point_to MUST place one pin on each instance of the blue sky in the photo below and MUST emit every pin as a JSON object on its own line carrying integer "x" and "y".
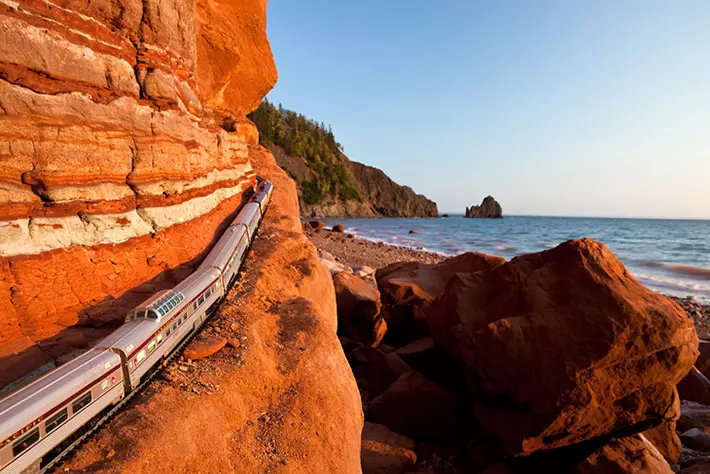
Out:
{"x": 585, "y": 108}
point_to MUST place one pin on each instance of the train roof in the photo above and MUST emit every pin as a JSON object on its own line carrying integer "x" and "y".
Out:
{"x": 196, "y": 283}
{"x": 129, "y": 337}
{"x": 265, "y": 186}
{"x": 247, "y": 213}
{"x": 54, "y": 390}
{"x": 222, "y": 252}
{"x": 157, "y": 306}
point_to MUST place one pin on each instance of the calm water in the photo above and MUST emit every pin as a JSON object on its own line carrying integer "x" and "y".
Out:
{"x": 670, "y": 256}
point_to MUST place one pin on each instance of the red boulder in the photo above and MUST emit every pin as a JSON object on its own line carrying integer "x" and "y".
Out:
{"x": 386, "y": 452}
{"x": 564, "y": 346}
{"x": 666, "y": 440}
{"x": 316, "y": 225}
{"x": 419, "y": 409}
{"x": 201, "y": 348}
{"x": 359, "y": 309}
{"x": 695, "y": 387}
{"x": 406, "y": 287}
{"x": 630, "y": 455}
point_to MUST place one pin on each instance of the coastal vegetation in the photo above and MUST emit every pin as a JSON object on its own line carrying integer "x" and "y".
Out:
{"x": 329, "y": 183}
{"x": 302, "y": 137}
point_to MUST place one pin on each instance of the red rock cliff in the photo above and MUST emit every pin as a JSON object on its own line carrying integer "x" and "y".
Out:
{"x": 114, "y": 173}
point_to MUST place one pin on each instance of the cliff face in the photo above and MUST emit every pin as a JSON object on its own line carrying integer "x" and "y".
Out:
{"x": 380, "y": 196}
{"x": 283, "y": 401}
{"x": 235, "y": 68}
{"x": 388, "y": 198}
{"x": 114, "y": 173}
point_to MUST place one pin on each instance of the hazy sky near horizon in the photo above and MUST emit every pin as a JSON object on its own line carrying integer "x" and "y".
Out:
{"x": 578, "y": 108}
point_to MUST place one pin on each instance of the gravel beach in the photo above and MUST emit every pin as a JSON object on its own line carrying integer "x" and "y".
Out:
{"x": 357, "y": 253}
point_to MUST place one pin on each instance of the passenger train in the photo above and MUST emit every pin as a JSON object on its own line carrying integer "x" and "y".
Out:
{"x": 44, "y": 414}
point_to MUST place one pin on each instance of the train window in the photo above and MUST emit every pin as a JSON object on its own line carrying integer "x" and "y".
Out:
{"x": 174, "y": 326}
{"x": 152, "y": 346}
{"x": 170, "y": 305}
{"x": 201, "y": 300}
{"x": 56, "y": 420}
{"x": 81, "y": 402}
{"x": 167, "y": 333}
{"x": 194, "y": 306}
{"x": 140, "y": 357}
{"x": 104, "y": 384}
{"x": 21, "y": 445}
{"x": 152, "y": 314}
{"x": 160, "y": 337}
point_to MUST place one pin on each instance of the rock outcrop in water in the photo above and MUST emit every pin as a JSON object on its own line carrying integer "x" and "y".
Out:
{"x": 114, "y": 173}
{"x": 489, "y": 208}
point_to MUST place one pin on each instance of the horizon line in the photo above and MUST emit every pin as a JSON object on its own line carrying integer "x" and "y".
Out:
{"x": 702, "y": 219}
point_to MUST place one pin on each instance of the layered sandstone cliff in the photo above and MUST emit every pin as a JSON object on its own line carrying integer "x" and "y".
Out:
{"x": 114, "y": 172}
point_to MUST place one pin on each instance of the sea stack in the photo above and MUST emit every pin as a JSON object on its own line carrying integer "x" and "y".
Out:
{"x": 489, "y": 208}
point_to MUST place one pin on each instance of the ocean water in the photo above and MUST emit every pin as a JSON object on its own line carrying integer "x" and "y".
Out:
{"x": 669, "y": 256}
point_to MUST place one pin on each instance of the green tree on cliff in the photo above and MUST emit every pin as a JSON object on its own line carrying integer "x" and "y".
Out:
{"x": 300, "y": 136}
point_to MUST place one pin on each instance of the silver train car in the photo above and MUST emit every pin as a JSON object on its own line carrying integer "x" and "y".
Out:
{"x": 38, "y": 417}
{"x": 44, "y": 414}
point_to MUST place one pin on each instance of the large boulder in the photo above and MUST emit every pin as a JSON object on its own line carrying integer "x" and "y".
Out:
{"x": 695, "y": 387}
{"x": 696, "y": 439}
{"x": 317, "y": 225}
{"x": 564, "y": 346}
{"x": 433, "y": 362}
{"x": 375, "y": 369}
{"x": 693, "y": 415}
{"x": 386, "y": 452}
{"x": 666, "y": 440}
{"x": 703, "y": 362}
{"x": 629, "y": 455}
{"x": 419, "y": 409}
{"x": 407, "y": 287}
{"x": 358, "y": 309}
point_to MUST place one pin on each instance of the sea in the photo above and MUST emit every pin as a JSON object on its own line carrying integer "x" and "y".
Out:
{"x": 668, "y": 256}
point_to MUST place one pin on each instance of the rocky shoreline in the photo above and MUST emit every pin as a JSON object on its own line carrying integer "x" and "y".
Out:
{"x": 457, "y": 335}
{"x": 355, "y": 253}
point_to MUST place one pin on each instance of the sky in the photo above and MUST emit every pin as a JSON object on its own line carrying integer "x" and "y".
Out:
{"x": 572, "y": 108}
